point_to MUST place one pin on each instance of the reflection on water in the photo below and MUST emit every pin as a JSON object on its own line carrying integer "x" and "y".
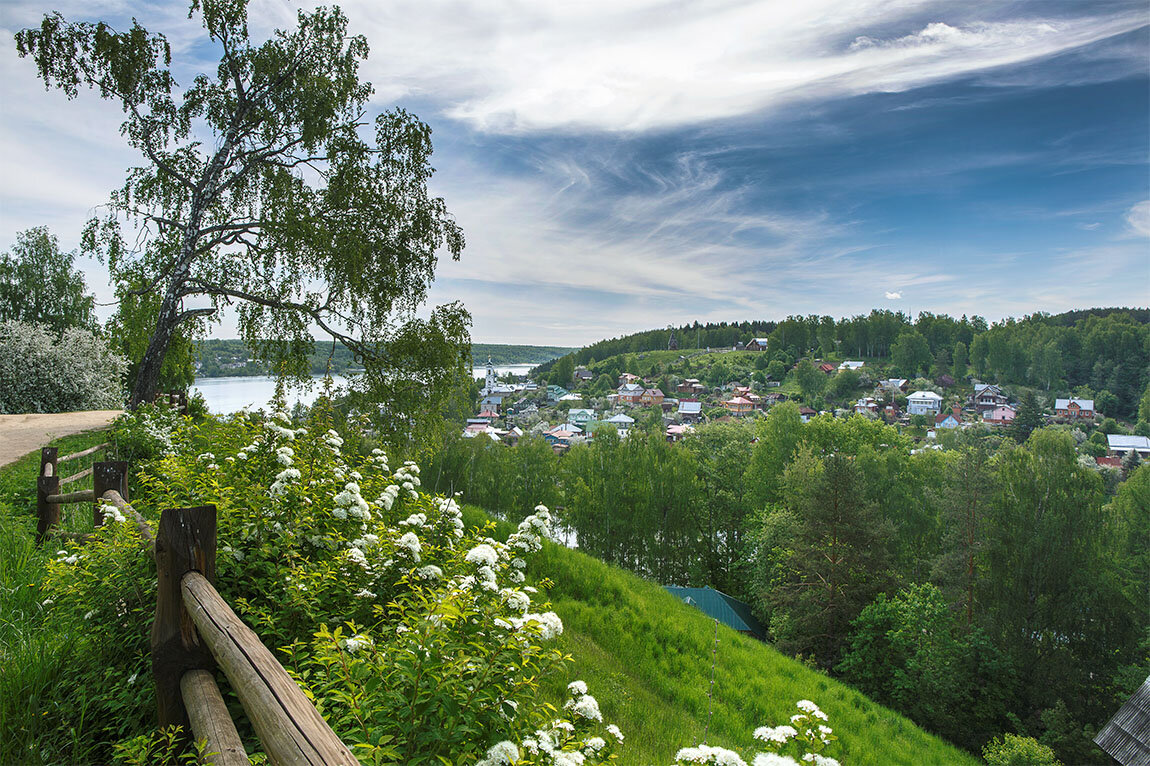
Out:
{"x": 224, "y": 395}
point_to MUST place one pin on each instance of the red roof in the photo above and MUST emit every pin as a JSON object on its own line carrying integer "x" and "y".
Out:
{"x": 1113, "y": 462}
{"x": 737, "y": 400}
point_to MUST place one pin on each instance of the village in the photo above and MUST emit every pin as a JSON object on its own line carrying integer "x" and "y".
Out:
{"x": 571, "y": 411}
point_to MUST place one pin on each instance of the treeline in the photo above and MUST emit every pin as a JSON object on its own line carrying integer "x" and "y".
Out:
{"x": 989, "y": 588}
{"x": 233, "y": 358}
{"x": 1104, "y": 352}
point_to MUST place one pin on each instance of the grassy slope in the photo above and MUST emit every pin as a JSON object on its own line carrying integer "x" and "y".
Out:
{"x": 647, "y": 658}
{"x": 34, "y": 724}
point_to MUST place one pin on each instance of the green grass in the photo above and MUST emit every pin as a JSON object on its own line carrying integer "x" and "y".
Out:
{"x": 37, "y": 722}
{"x": 647, "y": 658}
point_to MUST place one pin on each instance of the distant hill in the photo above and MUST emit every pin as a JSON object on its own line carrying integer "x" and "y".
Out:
{"x": 232, "y": 358}
{"x": 646, "y": 657}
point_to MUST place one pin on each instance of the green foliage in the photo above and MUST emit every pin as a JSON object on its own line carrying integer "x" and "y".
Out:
{"x": 38, "y": 285}
{"x": 130, "y": 331}
{"x": 352, "y": 246}
{"x": 913, "y": 653}
{"x": 844, "y": 385}
{"x": 1013, "y": 750}
{"x": 162, "y": 746}
{"x": 44, "y": 372}
{"x": 811, "y": 379}
{"x": 959, "y": 360}
{"x": 911, "y": 353}
{"x": 1027, "y": 419}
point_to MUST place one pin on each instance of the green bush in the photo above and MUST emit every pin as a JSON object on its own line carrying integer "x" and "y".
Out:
{"x": 44, "y": 372}
{"x": 1013, "y": 750}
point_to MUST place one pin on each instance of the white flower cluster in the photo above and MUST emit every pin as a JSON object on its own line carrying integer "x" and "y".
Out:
{"x": 279, "y": 486}
{"x": 501, "y": 754}
{"x": 820, "y": 760}
{"x": 355, "y": 643}
{"x": 451, "y": 514}
{"x": 408, "y": 478}
{"x": 111, "y": 513}
{"x": 532, "y": 531}
{"x": 68, "y": 558}
{"x": 778, "y": 735}
{"x": 581, "y": 703}
{"x": 710, "y": 754}
{"x": 409, "y": 542}
{"x": 379, "y": 459}
{"x": 550, "y": 626}
{"x": 429, "y": 572}
{"x": 388, "y": 497}
{"x": 333, "y": 440}
{"x": 483, "y": 554}
{"x": 349, "y": 503}
{"x": 414, "y": 520}
{"x": 284, "y": 455}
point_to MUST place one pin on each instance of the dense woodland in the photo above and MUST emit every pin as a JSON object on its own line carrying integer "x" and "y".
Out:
{"x": 233, "y": 358}
{"x": 1023, "y": 566}
{"x": 1105, "y": 350}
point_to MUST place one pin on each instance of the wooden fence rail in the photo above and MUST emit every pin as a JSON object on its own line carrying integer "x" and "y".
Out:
{"x": 195, "y": 632}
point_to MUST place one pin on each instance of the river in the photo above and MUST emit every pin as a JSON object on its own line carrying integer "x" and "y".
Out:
{"x": 224, "y": 395}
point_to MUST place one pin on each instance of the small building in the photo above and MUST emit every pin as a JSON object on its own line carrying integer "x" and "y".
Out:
{"x": 738, "y": 406}
{"x": 555, "y": 393}
{"x": 1126, "y": 737}
{"x": 571, "y": 398}
{"x": 806, "y": 413}
{"x": 923, "y": 403}
{"x": 849, "y": 365}
{"x": 894, "y": 384}
{"x": 627, "y": 377}
{"x": 719, "y": 606}
{"x": 630, "y": 393}
{"x": 570, "y": 428}
{"x": 1002, "y": 415}
{"x": 580, "y": 416}
{"x": 952, "y": 419}
{"x": 867, "y": 405}
{"x": 582, "y": 373}
{"x": 757, "y": 344}
{"x": 1074, "y": 409}
{"x": 690, "y": 410}
{"x": 1120, "y": 444}
{"x": 622, "y": 424}
{"x": 827, "y": 367}
{"x": 677, "y": 432}
{"x": 651, "y": 397}
{"x": 987, "y": 397}
{"x": 687, "y": 386}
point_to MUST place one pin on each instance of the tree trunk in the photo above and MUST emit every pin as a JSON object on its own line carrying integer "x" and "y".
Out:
{"x": 148, "y": 376}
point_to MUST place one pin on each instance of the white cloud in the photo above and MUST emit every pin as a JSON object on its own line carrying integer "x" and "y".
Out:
{"x": 1138, "y": 218}
{"x": 893, "y": 295}
{"x": 1090, "y": 226}
{"x": 650, "y": 64}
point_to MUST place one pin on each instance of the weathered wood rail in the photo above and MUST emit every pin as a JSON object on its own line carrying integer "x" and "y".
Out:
{"x": 195, "y": 632}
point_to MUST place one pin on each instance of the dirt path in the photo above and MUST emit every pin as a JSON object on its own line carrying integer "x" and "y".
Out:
{"x": 21, "y": 434}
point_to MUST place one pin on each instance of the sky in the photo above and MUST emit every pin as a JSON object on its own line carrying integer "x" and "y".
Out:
{"x": 629, "y": 164}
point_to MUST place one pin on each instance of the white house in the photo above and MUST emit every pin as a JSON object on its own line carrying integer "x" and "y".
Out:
{"x": 849, "y": 365}
{"x": 923, "y": 403}
{"x": 622, "y": 424}
{"x": 1120, "y": 444}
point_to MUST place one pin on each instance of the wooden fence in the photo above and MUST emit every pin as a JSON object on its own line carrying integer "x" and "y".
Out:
{"x": 195, "y": 631}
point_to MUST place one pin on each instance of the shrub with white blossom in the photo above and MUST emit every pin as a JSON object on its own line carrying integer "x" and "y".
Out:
{"x": 43, "y": 372}
{"x": 802, "y": 741}
{"x": 418, "y": 638}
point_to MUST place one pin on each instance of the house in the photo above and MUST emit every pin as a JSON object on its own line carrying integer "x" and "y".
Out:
{"x": 952, "y": 419}
{"x": 569, "y": 428}
{"x": 1126, "y": 736}
{"x": 690, "y": 410}
{"x": 719, "y": 606}
{"x": 866, "y": 405}
{"x": 513, "y": 436}
{"x": 582, "y": 373}
{"x": 988, "y": 397}
{"x": 677, "y": 432}
{"x": 1001, "y": 415}
{"x": 1074, "y": 409}
{"x": 1120, "y": 444}
{"x": 806, "y": 413}
{"x": 849, "y": 365}
{"x": 488, "y": 414}
{"x": 890, "y": 413}
{"x": 923, "y": 403}
{"x": 580, "y": 417}
{"x": 738, "y": 406}
{"x": 622, "y": 424}
{"x": 772, "y": 399}
{"x": 630, "y": 393}
{"x": 627, "y": 378}
{"x": 1108, "y": 462}
{"x": 894, "y": 384}
{"x": 559, "y": 438}
{"x": 687, "y": 386}
{"x": 555, "y": 392}
{"x": 571, "y": 398}
{"x": 827, "y": 367}
{"x": 757, "y": 344}
{"x": 651, "y": 397}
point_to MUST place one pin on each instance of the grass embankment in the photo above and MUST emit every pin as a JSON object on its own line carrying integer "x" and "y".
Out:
{"x": 38, "y": 722}
{"x": 647, "y": 658}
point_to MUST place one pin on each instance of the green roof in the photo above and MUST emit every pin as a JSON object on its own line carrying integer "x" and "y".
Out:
{"x": 720, "y": 606}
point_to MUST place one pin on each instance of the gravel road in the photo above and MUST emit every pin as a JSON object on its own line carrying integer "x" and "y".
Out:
{"x": 21, "y": 434}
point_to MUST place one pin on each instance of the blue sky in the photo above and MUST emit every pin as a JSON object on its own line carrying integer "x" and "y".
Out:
{"x": 618, "y": 166}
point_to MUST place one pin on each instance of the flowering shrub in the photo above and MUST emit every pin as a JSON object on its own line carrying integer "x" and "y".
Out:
{"x": 807, "y": 733}
{"x": 420, "y": 640}
{"x": 40, "y": 372}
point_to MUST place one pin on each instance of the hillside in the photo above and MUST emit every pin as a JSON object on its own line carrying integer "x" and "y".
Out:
{"x": 646, "y": 656}
{"x": 218, "y": 358}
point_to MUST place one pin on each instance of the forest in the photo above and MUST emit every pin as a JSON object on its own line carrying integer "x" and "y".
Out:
{"x": 1106, "y": 350}
{"x": 1023, "y": 565}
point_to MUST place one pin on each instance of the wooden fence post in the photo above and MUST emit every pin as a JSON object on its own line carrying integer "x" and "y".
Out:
{"x": 112, "y": 474}
{"x": 185, "y": 542}
{"x": 48, "y": 456}
{"x": 48, "y": 514}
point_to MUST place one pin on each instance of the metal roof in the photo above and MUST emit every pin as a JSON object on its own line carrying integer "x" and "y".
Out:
{"x": 1127, "y": 736}
{"x": 720, "y": 606}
